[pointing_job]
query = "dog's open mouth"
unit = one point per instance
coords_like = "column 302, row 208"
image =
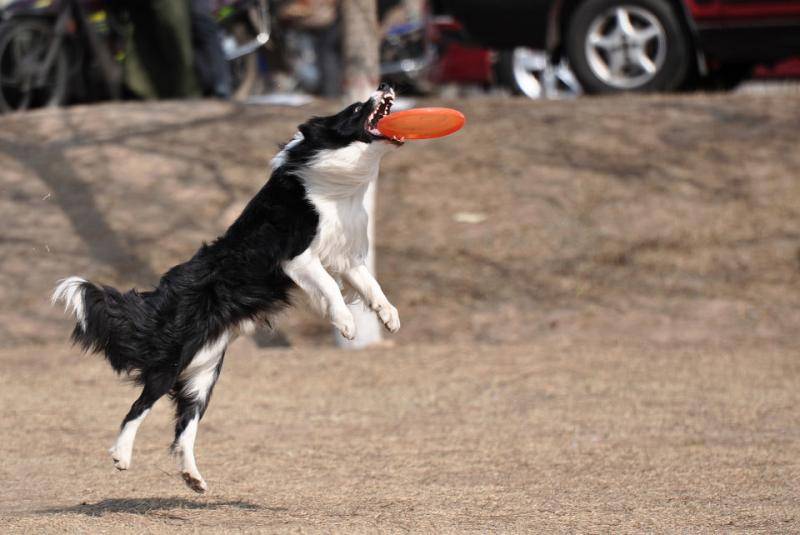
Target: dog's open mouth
column 383, row 109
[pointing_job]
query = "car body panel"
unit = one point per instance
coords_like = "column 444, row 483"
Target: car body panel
column 502, row 24
column 741, row 11
column 747, row 31
column 724, row 31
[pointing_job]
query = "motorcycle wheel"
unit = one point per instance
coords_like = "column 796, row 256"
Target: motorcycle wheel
column 23, row 48
column 525, row 72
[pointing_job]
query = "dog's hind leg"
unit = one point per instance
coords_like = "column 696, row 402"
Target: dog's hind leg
column 192, row 394
column 155, row 385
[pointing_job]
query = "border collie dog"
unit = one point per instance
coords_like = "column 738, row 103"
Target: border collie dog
column 306, row 228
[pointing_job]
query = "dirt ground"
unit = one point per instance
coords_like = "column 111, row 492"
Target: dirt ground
column 535, row 438
column 600, row 316
column 671, row 219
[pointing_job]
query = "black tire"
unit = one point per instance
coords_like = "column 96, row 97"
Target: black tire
column 727, row 77
column 668, row 74
column 33, row 38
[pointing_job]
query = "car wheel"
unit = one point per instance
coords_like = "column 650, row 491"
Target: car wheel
column 528, row 72
column 627, row 45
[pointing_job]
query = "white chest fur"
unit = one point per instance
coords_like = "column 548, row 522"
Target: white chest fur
column 336, row 181
column 342, row 241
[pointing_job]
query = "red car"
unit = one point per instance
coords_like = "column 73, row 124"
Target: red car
column 640, row 45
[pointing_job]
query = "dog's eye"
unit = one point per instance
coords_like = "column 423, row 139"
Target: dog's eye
column 357, row 109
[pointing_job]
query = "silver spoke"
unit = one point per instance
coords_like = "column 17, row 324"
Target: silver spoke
column 646, row 34
column 606, row 42
column 528, row 67
column 616, row 62
column 529, row 60
column 624, row 22
column 645, row 62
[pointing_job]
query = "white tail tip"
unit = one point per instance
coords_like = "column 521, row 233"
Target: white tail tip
column 69, row 292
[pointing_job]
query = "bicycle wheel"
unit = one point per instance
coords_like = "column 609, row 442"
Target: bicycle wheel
column 25, row 81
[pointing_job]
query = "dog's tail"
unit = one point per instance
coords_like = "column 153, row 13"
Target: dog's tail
column 102, row 318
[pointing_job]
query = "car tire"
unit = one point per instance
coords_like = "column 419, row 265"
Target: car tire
column 728, row 76
column 627, row 45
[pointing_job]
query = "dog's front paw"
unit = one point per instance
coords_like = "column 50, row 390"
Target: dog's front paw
column 390, row 318
column 344, row 321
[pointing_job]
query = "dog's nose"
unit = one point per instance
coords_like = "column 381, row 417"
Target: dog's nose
column 384, row 87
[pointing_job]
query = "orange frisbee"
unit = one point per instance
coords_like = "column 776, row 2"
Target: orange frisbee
column 421, row 123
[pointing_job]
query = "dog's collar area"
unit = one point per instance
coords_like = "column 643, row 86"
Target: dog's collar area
column 382, row 109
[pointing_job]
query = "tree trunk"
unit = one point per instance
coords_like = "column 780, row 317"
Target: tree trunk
column 361, row 44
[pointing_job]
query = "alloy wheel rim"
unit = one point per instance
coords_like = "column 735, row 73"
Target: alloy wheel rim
column 536, row 77
column 626, row 46
column 528, row 66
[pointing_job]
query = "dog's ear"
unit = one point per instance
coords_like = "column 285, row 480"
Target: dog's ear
column 307, row 129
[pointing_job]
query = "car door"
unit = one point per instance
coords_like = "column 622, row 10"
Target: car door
column 758, row 9
column 502, row 23
column 747, row 32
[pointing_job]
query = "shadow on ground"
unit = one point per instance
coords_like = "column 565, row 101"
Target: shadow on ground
column 144, row 506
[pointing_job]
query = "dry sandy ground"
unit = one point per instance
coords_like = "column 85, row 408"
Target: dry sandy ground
column 600, row 315
column 669, row 218
column 544, row 438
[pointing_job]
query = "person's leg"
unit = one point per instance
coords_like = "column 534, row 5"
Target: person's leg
column 328, row 45
column 210, row 63
column 159, row 59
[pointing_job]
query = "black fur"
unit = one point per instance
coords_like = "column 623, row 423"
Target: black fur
column 237, row 277
column 153, row 335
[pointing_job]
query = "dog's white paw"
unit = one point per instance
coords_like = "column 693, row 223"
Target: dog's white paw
column 195, row 482
column 121, row 457
column 390, row 317
column 343, row 320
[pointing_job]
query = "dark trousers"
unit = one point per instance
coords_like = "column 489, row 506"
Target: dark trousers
column 211, row 66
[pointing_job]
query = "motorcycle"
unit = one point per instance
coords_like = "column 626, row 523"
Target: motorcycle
column 420, row 55
column 54, row 51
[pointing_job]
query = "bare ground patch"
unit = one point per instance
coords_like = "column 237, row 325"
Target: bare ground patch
column 545, row 437
column 599, row 304
column 670, row 218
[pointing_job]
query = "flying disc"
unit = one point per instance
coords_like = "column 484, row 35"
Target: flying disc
column 421, row 123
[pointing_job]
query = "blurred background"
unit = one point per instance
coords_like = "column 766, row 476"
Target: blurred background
column 71, row 51
column 597, row 277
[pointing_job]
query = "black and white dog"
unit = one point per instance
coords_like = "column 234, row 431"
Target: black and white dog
column 306, row 227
